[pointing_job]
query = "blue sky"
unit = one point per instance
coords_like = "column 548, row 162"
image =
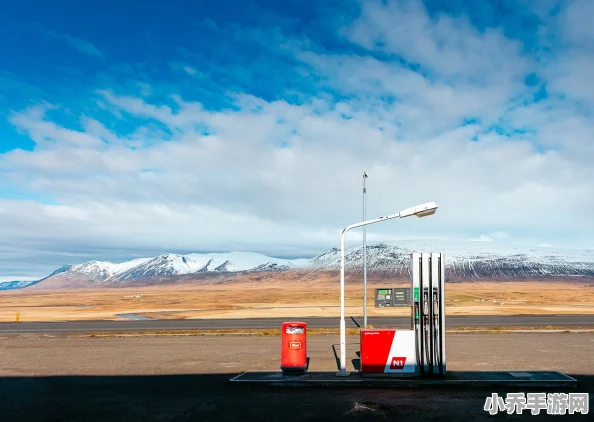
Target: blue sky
column 131, row 129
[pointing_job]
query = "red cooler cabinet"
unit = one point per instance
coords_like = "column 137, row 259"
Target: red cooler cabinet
column 294, row 347
column 388, row 353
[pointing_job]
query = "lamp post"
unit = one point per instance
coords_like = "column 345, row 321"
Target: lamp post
column 364, row 253
column 420, row 211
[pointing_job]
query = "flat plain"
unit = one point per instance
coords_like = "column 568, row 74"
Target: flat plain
column 270, row 297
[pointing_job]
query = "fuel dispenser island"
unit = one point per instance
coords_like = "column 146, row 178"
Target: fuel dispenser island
column 415, row 355
column 420, row 350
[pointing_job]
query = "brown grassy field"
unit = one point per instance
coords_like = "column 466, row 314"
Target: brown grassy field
column 250, row 297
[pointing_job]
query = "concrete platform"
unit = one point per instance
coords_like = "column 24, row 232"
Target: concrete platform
column 453, row 378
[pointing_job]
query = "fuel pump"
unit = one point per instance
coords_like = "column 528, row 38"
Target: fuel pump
column 420, row 350
column 438, row 285
column 429, row 300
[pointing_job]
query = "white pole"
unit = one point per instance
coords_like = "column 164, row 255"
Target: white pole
column 343, row 372
column 364, row 253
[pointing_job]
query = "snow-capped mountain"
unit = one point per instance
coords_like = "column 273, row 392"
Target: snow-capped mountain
column 464, row 260
column 173, row 264
column 11, row 285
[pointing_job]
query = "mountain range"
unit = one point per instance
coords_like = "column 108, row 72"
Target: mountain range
column 465, row 260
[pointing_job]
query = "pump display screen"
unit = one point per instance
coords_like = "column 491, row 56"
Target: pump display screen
column 397, row 296
column 383, row 298
column 401, row 296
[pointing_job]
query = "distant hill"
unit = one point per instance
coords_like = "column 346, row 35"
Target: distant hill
column 11, row 285
column 465, row 260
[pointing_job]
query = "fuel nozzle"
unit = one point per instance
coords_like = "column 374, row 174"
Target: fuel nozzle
column 425, row 301
column 435, row 301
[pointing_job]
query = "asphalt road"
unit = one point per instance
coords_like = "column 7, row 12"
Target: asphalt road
column 79, row 378
column 317, row 322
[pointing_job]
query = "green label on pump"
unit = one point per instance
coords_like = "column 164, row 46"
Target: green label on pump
column 416, row 294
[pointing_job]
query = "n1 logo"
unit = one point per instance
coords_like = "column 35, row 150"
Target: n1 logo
column 398, row 363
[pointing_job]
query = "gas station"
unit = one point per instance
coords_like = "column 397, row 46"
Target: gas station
column 395, row 357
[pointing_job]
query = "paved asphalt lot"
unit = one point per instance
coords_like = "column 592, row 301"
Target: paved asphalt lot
column 317, row 322
column 81, row 377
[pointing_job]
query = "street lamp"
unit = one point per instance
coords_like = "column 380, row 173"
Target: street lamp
column 422, row 210
column 364, row 253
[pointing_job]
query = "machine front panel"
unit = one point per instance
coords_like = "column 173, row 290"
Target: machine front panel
column 390, row 352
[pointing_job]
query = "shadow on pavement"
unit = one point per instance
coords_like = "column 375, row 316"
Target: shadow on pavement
column 336, row 351
column 211, row 397
column 355, row 362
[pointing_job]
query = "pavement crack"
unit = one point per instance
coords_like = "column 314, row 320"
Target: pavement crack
column 198, row 408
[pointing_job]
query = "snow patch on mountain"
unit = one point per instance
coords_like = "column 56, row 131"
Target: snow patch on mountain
column 174, row 264
column 12, row 285
column 464, row 260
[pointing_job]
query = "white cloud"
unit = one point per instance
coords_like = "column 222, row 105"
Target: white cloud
column 190, row 70
column 439, row 71
column 243, row 170
column 576, row 22
column 422, row 106
column 446, row 46
column 2, row 279
column 568, row 67
column 145, row 89
column 492, row 237
column 482, row 238
column 284, row 179
column 79, row 44
column 181, row 66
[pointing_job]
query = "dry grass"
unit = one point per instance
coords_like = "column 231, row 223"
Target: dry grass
column 256, row 332
column 262, row 298
column 315, row 332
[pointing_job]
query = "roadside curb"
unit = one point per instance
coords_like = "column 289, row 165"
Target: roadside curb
column 199, row 333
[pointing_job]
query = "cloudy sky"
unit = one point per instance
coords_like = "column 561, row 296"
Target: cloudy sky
column 130, row 129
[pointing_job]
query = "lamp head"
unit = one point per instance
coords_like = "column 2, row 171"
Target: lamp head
column 422, row 210
column 365, row 174
column 424, row 213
